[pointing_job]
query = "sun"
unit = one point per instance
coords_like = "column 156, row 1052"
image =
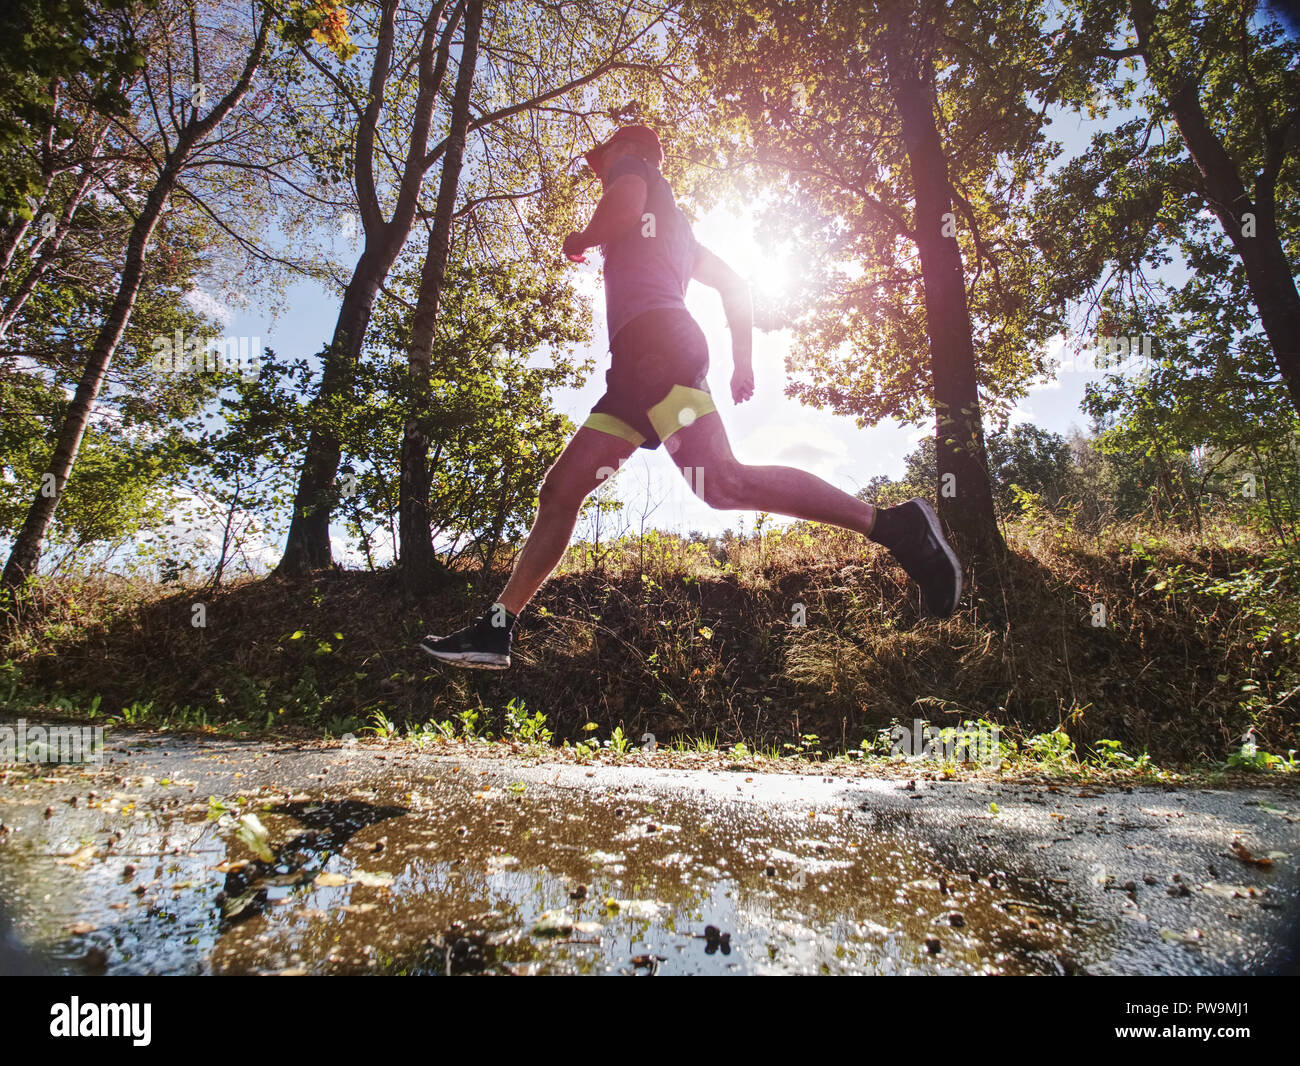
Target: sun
column 769, row 275
column 731, row 235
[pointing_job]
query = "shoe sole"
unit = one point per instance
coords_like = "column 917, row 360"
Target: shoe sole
column 473, row 660
column 937, row 530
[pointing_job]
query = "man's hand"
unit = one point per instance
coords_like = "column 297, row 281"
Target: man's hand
column 574, row 245
column 742, row 383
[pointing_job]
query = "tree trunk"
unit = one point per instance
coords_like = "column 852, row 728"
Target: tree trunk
column 965, row 496
column 308, row 544
column 1268, row 273
column 418, row 560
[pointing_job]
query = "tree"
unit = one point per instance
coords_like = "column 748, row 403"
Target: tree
column 1208, row 172
column 308, row 544
column 238, row 456
column 1033, row 459
column 1249, row 217
column 191, row 131
column 133, row 444
column 490, row 427
column 1026, row 456
column 45, row 45
column 893, row 143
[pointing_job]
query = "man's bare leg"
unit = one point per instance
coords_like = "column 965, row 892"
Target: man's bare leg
column 588, row 459
column 911, row 531
column 703, row 455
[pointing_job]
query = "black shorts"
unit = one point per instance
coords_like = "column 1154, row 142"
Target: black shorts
column 657, row 379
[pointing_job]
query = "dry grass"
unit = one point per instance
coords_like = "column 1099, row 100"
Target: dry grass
column 682, row 639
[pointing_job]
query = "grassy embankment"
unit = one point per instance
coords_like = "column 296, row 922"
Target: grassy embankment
column 700, row 646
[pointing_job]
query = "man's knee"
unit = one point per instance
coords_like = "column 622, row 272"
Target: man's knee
column 561, row 489
column 558, row 491
column 721, row 485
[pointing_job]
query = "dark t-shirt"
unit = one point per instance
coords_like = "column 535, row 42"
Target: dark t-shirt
column 648, row 265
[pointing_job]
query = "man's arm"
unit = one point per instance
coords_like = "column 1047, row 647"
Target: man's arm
column 739, row 309
column 620, row 207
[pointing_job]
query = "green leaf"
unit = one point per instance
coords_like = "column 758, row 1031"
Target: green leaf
column 255, row 835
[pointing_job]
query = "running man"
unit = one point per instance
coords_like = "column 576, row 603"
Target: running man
column 656, row 393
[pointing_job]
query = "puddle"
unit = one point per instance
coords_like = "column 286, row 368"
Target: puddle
column 445, row 874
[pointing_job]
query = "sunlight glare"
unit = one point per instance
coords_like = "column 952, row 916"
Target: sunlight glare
column 730, row 236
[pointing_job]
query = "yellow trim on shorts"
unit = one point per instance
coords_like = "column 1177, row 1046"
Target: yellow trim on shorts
column 682, row 406
column 616, row 427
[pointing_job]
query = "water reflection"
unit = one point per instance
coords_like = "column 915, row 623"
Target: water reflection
column 448, row 876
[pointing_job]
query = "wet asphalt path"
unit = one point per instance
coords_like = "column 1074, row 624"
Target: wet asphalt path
column 375, row 858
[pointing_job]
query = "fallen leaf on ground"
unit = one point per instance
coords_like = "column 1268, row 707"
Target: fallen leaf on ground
column 1244, row 854
column 81, row 858
column 553, row 923
column 253, row 833
column 1223, row 891
column 646, row 909
column 330, row 880
column 363, row 877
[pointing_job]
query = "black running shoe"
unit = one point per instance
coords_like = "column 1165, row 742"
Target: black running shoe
column 928, row 559
column 481, row 646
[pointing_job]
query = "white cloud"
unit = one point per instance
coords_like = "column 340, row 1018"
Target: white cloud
column 811, row 447
column 209, row 306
